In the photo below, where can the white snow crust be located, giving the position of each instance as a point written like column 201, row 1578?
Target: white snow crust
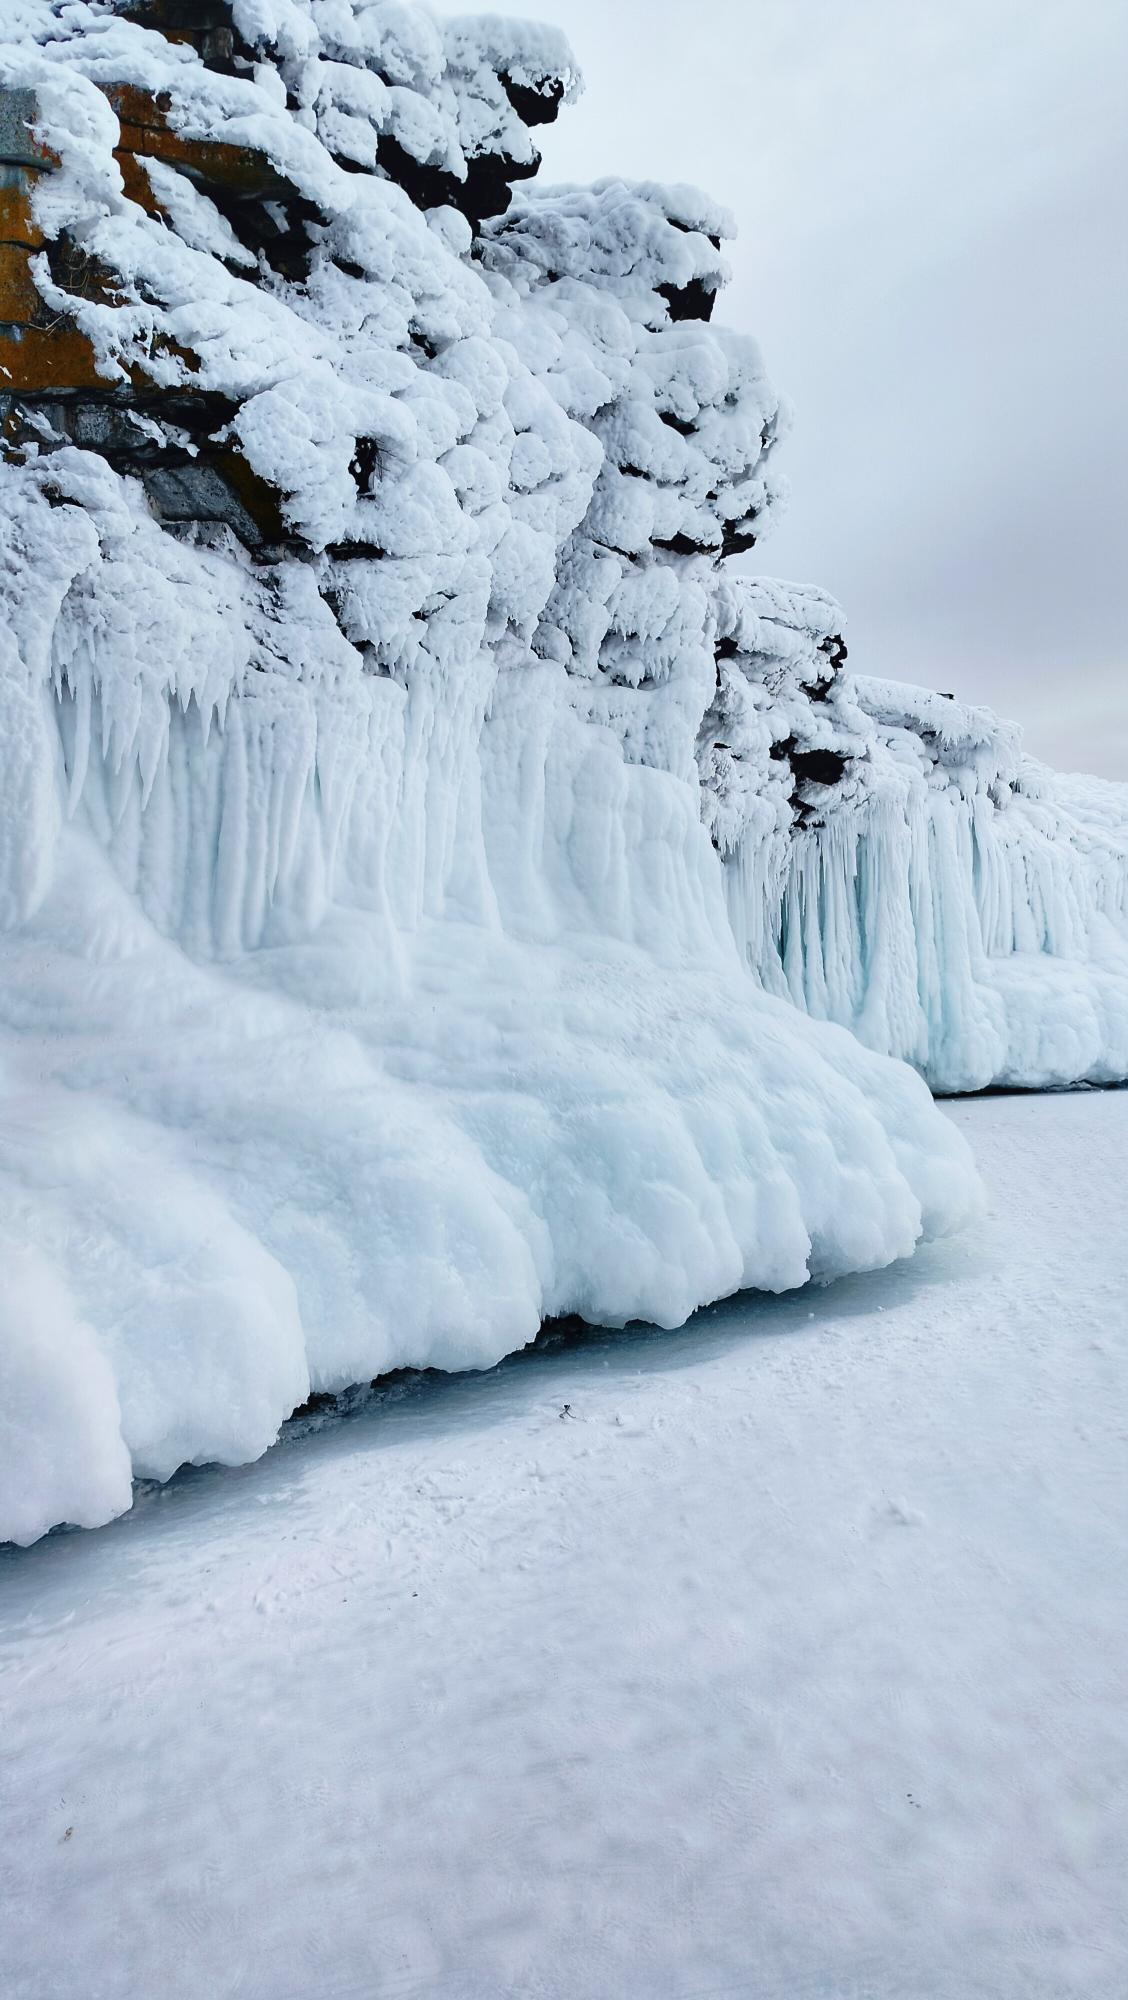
column 401, row 923
column 782, row 1657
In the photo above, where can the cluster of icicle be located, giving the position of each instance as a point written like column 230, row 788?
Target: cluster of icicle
column 401, row 921
column 949, row 899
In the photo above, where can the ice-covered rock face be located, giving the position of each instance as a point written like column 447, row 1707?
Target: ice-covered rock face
column 320, row 331
column 396, row 786
column 947, row 898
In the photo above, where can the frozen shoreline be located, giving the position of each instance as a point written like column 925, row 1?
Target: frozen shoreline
column 790, row 1662
column 438, row 891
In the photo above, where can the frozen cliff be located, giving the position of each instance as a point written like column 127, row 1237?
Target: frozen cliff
column 413, row 838
column 892, row 861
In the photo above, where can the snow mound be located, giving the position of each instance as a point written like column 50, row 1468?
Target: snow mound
column 396, row 789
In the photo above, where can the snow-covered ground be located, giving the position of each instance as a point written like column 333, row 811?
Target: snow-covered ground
column 777, row 1658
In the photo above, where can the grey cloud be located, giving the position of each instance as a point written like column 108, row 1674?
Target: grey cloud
column 933, row 253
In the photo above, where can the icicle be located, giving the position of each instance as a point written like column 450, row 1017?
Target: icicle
column 82, row 695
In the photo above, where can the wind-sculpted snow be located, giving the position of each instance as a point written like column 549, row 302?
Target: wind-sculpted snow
column 396, row 785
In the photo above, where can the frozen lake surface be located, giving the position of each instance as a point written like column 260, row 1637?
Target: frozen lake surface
column 782, row 1657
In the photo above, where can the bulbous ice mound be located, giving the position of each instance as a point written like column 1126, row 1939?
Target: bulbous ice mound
column 368, row 1025
column 339, row 1155
column 379, row 735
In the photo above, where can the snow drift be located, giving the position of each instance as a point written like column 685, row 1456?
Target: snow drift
column 413, row 840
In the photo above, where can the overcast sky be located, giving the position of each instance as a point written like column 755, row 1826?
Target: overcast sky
column 933, row 253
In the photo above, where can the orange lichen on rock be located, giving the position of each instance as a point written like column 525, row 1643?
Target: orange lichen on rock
column 20, row 303
column 147, row 134
column 46, row 360
column 41, row 353
column 17, row 218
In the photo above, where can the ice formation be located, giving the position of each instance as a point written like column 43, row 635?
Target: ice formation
column 894, row 862
column 412, row 837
